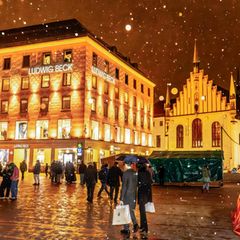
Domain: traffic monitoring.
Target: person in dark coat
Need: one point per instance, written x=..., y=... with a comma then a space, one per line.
x=102, y=175
x=46, y=169
x=23, y=168
x=113, y=180
x=144, y=196
x=36, y=172
x=90, y=180
x=70, y=172
x=129, y=194
x=82, y=170
x=6, y=182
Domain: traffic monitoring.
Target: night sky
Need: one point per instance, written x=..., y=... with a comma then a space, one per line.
x=162, y=36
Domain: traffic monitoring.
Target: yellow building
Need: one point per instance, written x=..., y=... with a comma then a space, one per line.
x=67, y=95
x=202, y=118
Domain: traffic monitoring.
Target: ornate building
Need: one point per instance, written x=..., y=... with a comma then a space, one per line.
x=67, y=95
x=203, y=117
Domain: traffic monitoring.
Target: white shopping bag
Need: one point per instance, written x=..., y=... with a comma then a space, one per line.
x=121, y=215
x=149, y=207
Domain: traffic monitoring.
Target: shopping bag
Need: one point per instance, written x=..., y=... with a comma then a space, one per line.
x=149, y=207
x=121, y=215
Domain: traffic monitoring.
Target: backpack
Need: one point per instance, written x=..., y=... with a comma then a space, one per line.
x=102, y=175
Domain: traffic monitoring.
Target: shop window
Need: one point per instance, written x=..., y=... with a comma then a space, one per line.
x=116, y=73
x=105, y=109
x=106, y=66
x=126, y=97
x=94, y=130
x=116, y=113
x=107, y=132
x=94, y=81
x=25, y=83
x=142, y=88
x=144, y=139
x=42, y=129
x=179, y=136
x=67, y=56
x=126, y=116
x=44, y=105
x=4, y=153
x=158, y=141
x=126, y=79
x=136, y=138
x=5, y=84
x=106, y=86
x=67, y=77
x=134, y=83
x=21, y=130
x=45, y=83
x=216, y=134
x=46, y=58
x=64, y=128
x=23, y=106
x=116, y=93
x=94, y=59
x=26, y=61
x=127, y=136
x=134, y=101
x=196, y=133
x=4, y=106
x=93, y=105
x=3, y=130
x=66, y=103
x=40, y=155
x=6, y=63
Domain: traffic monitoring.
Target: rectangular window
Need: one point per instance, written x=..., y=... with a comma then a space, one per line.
x=23, y=106
x=42, y=129
x=21, y=130
x=116, y=93
x=67, y=77
x=127, y=136
x=106, y=66
x=161, y=123
x=126, y=97
x=3, y=131
x=134, y=119
x=6, y=63
x=134, y=83
x=158, y=141
x=107, y=133
x=141, y=104
x=116, y=73
x=116, y=113
x=105, y=109
x=94, y=59
x=47, y=58
x=5, y=84
x=142, y=122
x=94, y=81
x=149, y=92
x=67, y=56
x=106, y=87
x=64, y=128
x=126, y=79
x=134, y=101
x=26, y=61
x=126, y=116
x=142, y=88
x=4, y=106
x=94, y=130
x=45, y=83
x=66, y=103
x=93, y=105
x=25, y=83
x=44, y=105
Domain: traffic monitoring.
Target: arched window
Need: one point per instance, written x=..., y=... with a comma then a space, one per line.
x=179, y=136
x=196, y=133
x=216, y=134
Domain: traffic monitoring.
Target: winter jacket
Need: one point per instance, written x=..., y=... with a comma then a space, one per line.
x=144, y=186
x=114, y=175
x=15, y=175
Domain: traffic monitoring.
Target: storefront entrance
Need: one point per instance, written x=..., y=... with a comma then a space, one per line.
x=21, y=154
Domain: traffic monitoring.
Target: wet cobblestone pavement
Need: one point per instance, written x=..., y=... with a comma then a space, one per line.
x=61, y=212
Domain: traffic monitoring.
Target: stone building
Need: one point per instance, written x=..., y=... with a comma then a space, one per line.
x=67, y=95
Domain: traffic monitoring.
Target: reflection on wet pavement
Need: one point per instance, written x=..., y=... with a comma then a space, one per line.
x=60, y=211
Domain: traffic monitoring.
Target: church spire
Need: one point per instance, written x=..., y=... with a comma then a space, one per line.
x=232, y=92
x=195, y=58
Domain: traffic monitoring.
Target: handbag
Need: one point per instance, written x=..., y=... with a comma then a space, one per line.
x=121, y=215
x=149, y=207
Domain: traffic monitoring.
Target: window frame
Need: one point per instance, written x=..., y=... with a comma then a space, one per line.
x=22, y=80
x=64, y=54
x=179, y=136
x=4, y=112
x=24, y=64
x=126, y=79
x=3, y=80
x=7, y=63
x=43, y=57
x=42, y=76
x=64, y=97
x=44, y=102
x=197, y=133
x=22, y=104
x=65, y=79
x=216, y=134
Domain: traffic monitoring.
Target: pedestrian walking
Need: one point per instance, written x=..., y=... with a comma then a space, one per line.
x=70, y=172
x=14, y=183
x=46, y=169
x=128, y=195
x=6, y=181
x=90, y=180
x=206, y=174
x=144, y=196
x=58, y=168
x=23, y=168
x=113, y=180
x=102, y=175
x=82, y=170
x=53, y=174
x=36, y=172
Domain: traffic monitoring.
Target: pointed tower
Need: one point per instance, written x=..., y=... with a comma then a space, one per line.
x=237, y=89
x=232, y=93
x=167, y=102
x=196, y=60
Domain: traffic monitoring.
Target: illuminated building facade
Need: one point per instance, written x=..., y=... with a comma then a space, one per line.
x=203, y=117
x=67, y=95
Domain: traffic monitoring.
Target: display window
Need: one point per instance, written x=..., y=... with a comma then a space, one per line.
x=42, y=129
x=21, y=130
x=64, y=128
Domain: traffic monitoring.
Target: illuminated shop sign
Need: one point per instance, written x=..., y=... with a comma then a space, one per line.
x=102, y=74
x=51, y=68
x=21, y=146
x=79, y=149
